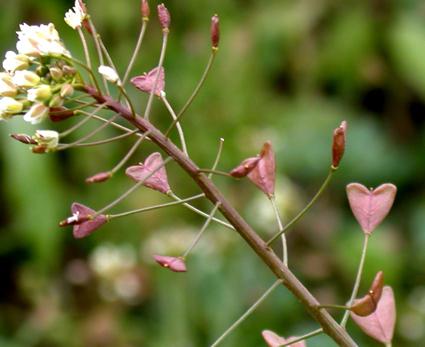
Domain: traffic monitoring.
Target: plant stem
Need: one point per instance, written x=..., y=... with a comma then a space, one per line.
x=202, y=213
x=201, y=232
x=179, y=128
x=102, y=142
x=99, y=52
x=131, y=190
x=82, y=122
x=148, y=108
x=195, y=92
x=330, y=327
x=115, y=125
x=217, y=158
x=129, y=153
x=280, y=226
x=127, y=98
x=247, y=313
x=156, y=207
x=357, y=282
x=337, y=307
x=304, y=337
x=215, y=172
x=136, y=51
x=309, y=205
x=85, y=47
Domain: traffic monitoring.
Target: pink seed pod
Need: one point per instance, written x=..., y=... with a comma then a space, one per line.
x=215, y=31
x=263, y=175
x=24, y=138
x=274, y=340
x=175, y=264
x=368, y=303
x=99, y=177
x=164, y=17
x=338, y=144
x=146, y=82
x=245, y=167
x=144, y=9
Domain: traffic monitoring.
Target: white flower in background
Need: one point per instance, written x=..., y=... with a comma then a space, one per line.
x=7, y=88
x=40, y=40
x=48, y=139
x=25, y=79
x=13, y=61
x=76, y=15
x=40, y=93
x=9, y=106
x=36, y=114
x=109, y=73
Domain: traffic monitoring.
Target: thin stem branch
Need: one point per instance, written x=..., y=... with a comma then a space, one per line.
x=89, y=135
x=333, y=306
x=82, y=122
x=116, y=125
x=304, y=337
x=179, y=127
x=201, y=232
x=148, y=108
x=217, y=158
x=130, y=153
x=358, y=280
x=195, y=92
x=280, y=226
x=202, y=213
x=156, y=207
x=309, y=205
x=215, y=172
x=127, y=98
x=103, y=142
x=132, y=189
x=136, y=50
x=85, y=47
x=247, y=313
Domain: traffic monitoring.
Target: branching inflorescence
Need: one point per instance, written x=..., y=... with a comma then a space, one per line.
x=43, y=81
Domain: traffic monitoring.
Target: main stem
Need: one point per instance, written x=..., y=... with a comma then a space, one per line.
x=265, y=253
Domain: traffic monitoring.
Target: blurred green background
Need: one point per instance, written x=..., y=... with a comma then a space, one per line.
x=288, y=71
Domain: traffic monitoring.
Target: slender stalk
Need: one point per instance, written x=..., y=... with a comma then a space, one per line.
x=129, y=153
x=82, y=122
x=115, y=125
x=357, y=282
x=247, y=313
x=195, y=92
x=309, y=205
x=337, y=307
x=217, y=158
x=90, y=134
x=280, y=226
x=99, y=52
x=201, y=232
x=85, y=47
x=155, y=207
x=132, y=189
x=105, y=51
x=215, y=172
x=179, y=128
x=103, y=142
x=77, y=108
x=127, y=98
x=202, y=213
x=148, y=108
x=304, y=337
x=330, y=327
x=136, y=50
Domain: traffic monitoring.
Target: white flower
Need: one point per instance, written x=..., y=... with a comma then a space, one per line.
x=13, y=61
x=9, y=106
x=109, y=73
x=36, y=113
x=75, y=16
x=7, y=88
x=48, y=139
x=40, y=93
x=37, y=40
x=25, y=79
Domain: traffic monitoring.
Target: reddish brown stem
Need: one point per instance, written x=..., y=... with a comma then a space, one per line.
x=329, y=325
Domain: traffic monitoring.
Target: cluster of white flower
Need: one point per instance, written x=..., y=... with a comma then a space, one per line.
x=76, y=15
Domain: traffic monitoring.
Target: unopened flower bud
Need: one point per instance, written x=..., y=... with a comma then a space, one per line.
x=24, y=138
x=109, y=74
x=9, y=106
x=36, y=114
x=69, y=70
x=164, y=17
x=15, y=62
x=100, y=177
x=42, y=71
x=56, y=101
x=145, y=10
x=7, y=88
x=41, y=93
x=338, y=144
x=56, y=73
x=66, y=90
x=58, y=114
x=215, y=31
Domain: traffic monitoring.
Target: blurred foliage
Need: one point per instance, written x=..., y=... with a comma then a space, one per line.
x=288, y=71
